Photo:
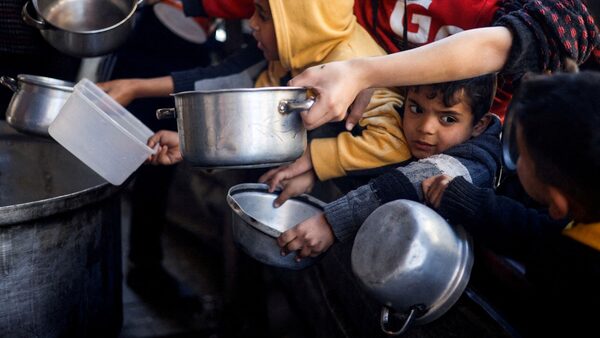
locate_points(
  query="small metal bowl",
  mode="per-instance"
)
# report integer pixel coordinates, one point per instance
(257, 224)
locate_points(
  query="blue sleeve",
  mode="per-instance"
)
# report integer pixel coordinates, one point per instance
(503, 224)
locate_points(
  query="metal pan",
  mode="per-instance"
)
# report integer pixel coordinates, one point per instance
(257, 224)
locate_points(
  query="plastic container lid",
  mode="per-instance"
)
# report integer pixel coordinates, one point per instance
(170, 13)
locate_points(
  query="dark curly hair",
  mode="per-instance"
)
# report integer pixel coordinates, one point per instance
(559, 116)
(479, 92)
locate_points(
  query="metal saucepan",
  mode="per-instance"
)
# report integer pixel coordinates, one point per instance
(240, 128)
(412, 261)
(257, 224)
(36, 102)
(83, 28)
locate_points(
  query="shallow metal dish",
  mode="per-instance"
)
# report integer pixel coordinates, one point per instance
(257, 224)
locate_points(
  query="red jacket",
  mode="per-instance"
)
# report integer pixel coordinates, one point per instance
(428, 20)
(226, 9)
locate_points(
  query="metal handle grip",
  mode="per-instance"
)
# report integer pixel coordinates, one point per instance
(385, 318)
(37, 23)
(9, 82)
(166, 113)
(290, 106)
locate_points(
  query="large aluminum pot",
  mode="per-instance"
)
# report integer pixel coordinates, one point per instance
(36, 102)
(83, 28)
(257, 224)
(240, 128)
(411, 260)
(60, 248)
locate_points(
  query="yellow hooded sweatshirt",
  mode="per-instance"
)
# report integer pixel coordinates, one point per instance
(312, 32)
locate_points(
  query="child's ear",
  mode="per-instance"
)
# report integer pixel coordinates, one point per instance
(482, 125)
(558, 203)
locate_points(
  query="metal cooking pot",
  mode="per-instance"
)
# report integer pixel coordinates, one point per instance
(240, 128)
(60, 243)
(83, 28)
(257, 224)
(36, 102)
(411, 260)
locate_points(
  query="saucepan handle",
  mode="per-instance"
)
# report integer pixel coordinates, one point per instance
(290, 106)
(9, 82)
(37, 23)
(166, 113)
(385, 321)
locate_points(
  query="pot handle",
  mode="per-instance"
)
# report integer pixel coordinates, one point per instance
(166, 113)
(290, 106)
(37, 23)
(9, 82)
(385, 318)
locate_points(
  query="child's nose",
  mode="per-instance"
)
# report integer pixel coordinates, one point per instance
(428, 125)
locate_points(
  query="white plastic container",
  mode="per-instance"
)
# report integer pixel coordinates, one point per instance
(101, 133)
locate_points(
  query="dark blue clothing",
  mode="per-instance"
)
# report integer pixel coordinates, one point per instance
(478, 160)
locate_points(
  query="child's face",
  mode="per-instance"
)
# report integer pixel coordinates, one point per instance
(432, 128)
(263, 29)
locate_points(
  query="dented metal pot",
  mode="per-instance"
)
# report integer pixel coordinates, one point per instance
(412, 261)
(240, 128)
(36, 101)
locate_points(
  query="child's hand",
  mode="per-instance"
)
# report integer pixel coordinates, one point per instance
(275, 177)
(168, 148)
(296, 186)
(433, 189)
(123, 91)
(309, 238)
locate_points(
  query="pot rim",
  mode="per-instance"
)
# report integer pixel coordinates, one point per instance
(263, 188)
(47, 82)
(102, 30)
(239, 90)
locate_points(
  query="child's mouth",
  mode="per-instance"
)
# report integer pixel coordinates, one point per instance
(423, 146)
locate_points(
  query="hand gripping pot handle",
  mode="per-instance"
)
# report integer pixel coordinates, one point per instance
(291, 106)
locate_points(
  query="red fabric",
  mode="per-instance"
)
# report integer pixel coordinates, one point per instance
(428, 20)
(229, 9)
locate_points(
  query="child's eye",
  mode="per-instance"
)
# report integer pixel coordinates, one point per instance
(448, 119)
(415, 109)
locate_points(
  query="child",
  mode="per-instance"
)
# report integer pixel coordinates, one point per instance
(292, 42)
(448, 130)
(562, 263)
(511, 37)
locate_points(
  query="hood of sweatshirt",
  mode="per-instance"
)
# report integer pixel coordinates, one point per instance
(311, 32)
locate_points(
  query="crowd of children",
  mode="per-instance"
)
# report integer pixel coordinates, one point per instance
(425, 125)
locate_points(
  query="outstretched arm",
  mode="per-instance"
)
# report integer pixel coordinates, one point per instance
(463, 55)
(126, 90)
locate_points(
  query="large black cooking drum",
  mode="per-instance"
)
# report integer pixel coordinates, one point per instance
(60, 249)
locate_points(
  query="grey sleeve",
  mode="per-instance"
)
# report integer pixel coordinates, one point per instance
(348, 213)
(440, 164)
